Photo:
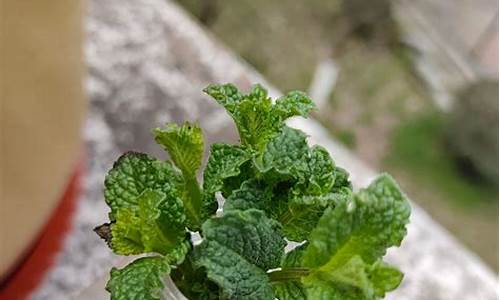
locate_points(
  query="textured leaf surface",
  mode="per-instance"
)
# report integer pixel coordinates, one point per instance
(157, 225)
(251, 194)
(295, 103)
(226, 95)
(184, 144)
(237, 250)
(133, 173)
(237, 278)
(384, 278)
(372, 221)
(250, 234)
(343, 253)
(286, 153)
(141, 279)
(224, 162)
(254, 114)
(321, 171)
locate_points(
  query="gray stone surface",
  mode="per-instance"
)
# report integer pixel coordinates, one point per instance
(148, 62)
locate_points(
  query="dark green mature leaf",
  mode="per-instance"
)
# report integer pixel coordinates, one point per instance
(193, 282)
(141, 279)
(237, 250)
(156, 225)
(237, 278)
(250, 234)
(251, 194)
(303, 213)
(286, 153)
(321, 171)
(184, 144)
(133, 173)
(224, 162)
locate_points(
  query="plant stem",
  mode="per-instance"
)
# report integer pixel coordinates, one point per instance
(193, 199)
(288, 274)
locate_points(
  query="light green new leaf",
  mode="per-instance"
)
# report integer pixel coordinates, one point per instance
(184, 144)
(372, 221)
(384, 278)
(133, 173)
(156, 225)
(295, 103)
(237, 250)
(343, 253)
(254, 114)
(142, 279)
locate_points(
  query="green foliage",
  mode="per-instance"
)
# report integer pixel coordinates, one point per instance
(276, 188)
(141, 279)
(473, 127)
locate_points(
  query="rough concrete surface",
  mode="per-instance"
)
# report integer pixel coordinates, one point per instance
(148, 62)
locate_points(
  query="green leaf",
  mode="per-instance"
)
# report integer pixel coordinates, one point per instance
(323, 290)
(133, 173)
(237, 278)
(372, 221)
(385, 278)
(290, 287)
(226, 95)
(193, 282)
(251, 194)
(303, 213)
(295, 103)
(184, 144)
(342, 181)
(250, 234)
(224, 162)
(141, 279)
(286, 153)
(321, 171)
(342, 258)
(237, 250)
(156, 225)
(254, 114)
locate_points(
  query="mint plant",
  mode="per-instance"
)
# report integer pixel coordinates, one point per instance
(277, 190)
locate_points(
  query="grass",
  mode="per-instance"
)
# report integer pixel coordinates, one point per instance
(347, 138)
(467, 206)
(420, 148)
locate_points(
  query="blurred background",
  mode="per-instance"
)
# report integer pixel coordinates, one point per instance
(409, 87)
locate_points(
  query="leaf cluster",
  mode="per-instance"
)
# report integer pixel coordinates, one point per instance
(276, 191)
